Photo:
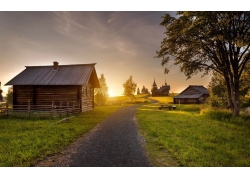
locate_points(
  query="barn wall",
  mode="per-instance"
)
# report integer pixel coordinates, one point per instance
(46, 94)
(87, 98)
(21, 95)
(185, 100)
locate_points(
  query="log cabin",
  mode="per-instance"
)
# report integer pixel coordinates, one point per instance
(193, 94)
(41, 85)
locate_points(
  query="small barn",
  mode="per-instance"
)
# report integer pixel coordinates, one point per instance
(193, 94)
(41, 85)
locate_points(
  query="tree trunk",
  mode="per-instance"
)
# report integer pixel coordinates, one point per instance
(233, 95)
(229, 95)
(236, 97)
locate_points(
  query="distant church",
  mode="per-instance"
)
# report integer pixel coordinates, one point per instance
(162, 91)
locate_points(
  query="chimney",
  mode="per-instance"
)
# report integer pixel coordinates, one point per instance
(55, 65)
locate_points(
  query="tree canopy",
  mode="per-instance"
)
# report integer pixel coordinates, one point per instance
(9, 95)
(209, 41)
(101, 94)
(129, 88)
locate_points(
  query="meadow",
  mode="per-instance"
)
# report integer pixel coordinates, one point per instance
(194, 136)
(191, 135)
(24, 142)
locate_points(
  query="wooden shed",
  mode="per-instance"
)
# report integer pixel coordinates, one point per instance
(41, 85)
(193, 94)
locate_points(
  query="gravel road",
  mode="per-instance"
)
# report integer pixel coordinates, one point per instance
(114, 142)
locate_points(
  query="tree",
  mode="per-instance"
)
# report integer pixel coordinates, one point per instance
(9, 95)
(129, 88)
(217, 88)
(209, 41)
(101, 94)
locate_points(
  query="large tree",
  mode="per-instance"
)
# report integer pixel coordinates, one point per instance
(129, 88)
(218, 90)
(209, 41)
(101, 94)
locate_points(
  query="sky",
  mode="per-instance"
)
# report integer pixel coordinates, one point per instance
(121, 43)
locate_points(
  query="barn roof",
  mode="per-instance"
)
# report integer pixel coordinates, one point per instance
(192, 91)
(74, 74)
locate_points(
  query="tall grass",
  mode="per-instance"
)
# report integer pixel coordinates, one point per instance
(25, 142)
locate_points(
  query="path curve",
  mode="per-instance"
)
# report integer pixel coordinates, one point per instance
(114, 142)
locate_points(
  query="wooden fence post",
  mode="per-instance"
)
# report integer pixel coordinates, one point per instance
(67, 108)
(60, 109)
(29, 107)
(79, 106)
(52, 110)
(7, 109)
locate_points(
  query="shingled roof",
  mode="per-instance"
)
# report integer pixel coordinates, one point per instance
(196, 92)
(75, 74)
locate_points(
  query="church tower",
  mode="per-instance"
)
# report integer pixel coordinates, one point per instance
(154, 89)
(154, 85)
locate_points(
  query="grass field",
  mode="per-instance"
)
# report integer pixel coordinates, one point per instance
(25, 142)
(193, 136)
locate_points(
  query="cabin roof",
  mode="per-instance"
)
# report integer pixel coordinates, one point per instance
(193, 91)
(74, 74)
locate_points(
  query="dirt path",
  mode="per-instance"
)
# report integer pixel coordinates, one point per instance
(114, 142)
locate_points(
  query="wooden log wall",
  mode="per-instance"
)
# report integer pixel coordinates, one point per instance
(21, 95)
(44, 95)
(87, 98)
(185, 100)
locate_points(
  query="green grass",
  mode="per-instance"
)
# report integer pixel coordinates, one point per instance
(163, 100)
(25, 142)
(191, 136)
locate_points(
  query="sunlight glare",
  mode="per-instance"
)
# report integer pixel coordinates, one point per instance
(111, 93)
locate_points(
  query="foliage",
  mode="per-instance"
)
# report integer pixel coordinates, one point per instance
(218, 92)
(190, 139)
(9, 95)
(101, 94)
(205, 41)
(129, 88)
(25, 142)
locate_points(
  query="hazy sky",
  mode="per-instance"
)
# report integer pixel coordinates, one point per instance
(121, 43)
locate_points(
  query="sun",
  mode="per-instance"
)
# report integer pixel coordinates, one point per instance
(111, 93)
